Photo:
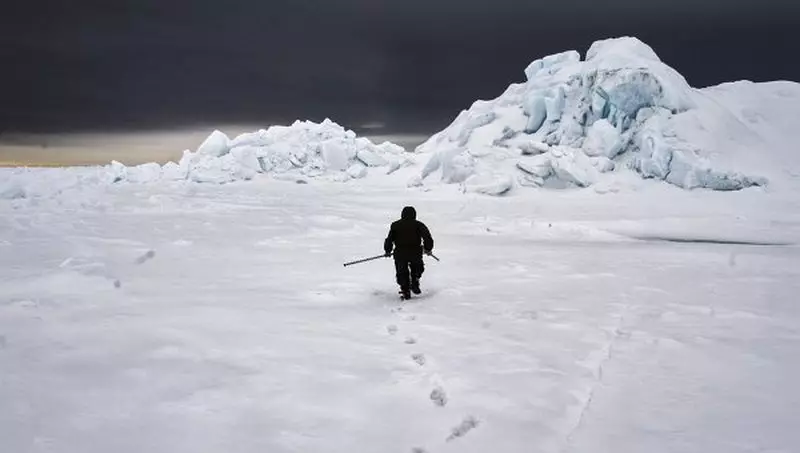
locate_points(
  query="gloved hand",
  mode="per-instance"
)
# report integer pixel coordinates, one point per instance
(387, 254)
(428, 252)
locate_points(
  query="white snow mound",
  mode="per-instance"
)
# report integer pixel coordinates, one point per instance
(619, 109)
(303, 150)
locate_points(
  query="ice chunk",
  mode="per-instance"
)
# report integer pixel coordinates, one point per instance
(265, 164)
(682, 171)
(393, 166)
(628, 47)
(555, 103)
(537, 113)
(457, 167)
(215, 170)
(144, 173)
(216, 145)
(689, 172)
(573, 166)
(315, 167)
(716, 180)
(472, 122)
(241, 172)
(415, 181)
(602, 164)
(636, 91)
(655, 153)
(245, 156)
(533, 68)
(434, 163)
(551, 62)
(455, 163)
(115, 172)
(534, 147)
(298, 157)
(173, 172)
(256, 139)
(506, 133)
(390, 148)
(527, 180)
(570, 56)
(369, 158)
(336, 156)
(602, 139)
(357, 171)
(495, 185)
(538, 166)
(599, 102)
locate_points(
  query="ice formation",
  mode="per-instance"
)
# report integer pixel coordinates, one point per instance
(303, 150)
(621, 108)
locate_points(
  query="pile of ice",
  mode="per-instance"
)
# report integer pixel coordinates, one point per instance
(621, 108)
(297, 152)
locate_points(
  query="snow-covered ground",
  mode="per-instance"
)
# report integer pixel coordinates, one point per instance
(149, 308)
(176, 317)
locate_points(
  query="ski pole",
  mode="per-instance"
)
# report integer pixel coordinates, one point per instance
(364, 260)
(433, 256)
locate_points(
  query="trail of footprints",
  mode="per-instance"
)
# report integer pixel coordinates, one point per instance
(438, 395)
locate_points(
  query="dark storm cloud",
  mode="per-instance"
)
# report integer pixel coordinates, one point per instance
(159, 63)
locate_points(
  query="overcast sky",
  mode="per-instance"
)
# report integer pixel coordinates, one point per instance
(112, 64)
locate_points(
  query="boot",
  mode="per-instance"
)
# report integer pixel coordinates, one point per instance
(415, 286)
(405, 294)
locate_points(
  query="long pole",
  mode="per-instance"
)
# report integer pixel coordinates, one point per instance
(379, 257)
(364, 260)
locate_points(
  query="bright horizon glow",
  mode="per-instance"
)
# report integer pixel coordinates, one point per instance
(132, 148)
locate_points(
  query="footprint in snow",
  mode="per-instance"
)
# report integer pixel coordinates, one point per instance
(439, 397)
(418, 450)
(392, 329)
(146, 257)
(419, 358)
(410, 340)
(467, 425)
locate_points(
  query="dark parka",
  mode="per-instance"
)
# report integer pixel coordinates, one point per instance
(409, 236)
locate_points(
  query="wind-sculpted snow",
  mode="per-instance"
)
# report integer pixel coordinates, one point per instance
(619, 109)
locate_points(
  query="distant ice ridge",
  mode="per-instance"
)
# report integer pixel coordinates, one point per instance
(303, 150)
(621, 108)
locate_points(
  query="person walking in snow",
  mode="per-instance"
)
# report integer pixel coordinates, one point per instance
(410, 239)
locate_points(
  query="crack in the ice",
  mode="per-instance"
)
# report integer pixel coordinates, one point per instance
(609, 352)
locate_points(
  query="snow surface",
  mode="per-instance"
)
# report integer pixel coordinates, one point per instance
(175, 316)
(144, 309)
(622, 103)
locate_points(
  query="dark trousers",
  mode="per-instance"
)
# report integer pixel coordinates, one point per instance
(408, 268)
